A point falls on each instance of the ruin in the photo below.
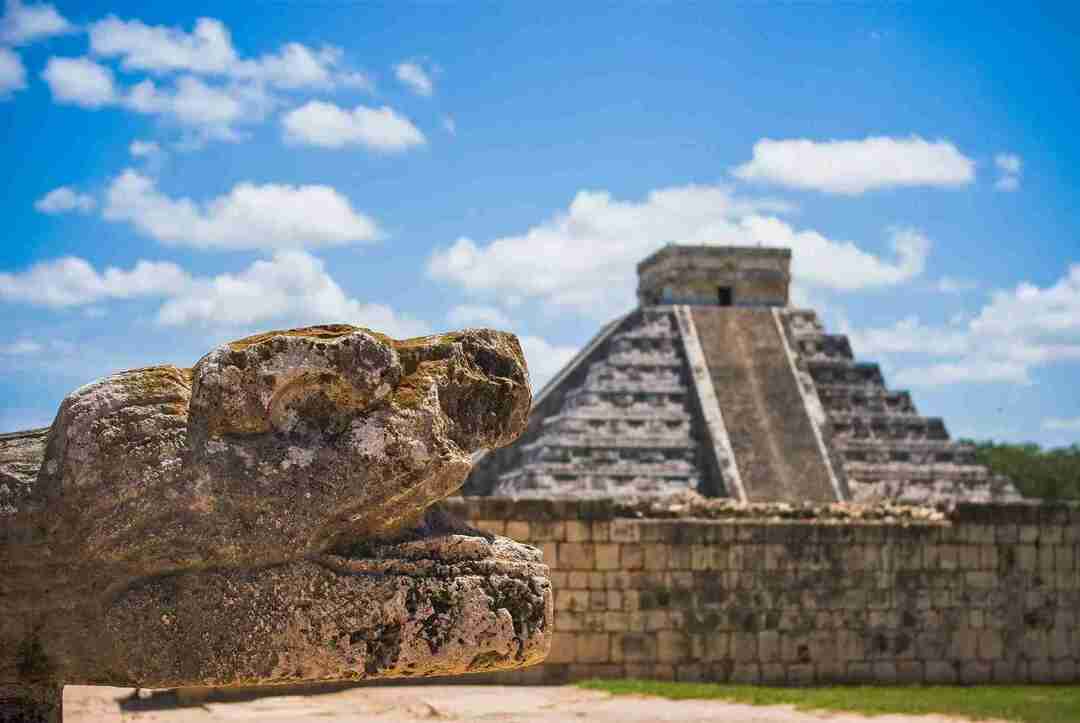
(264, 517)
(715, 384)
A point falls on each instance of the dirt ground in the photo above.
(434, 703)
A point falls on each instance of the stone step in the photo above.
(841, 371)
(679, 468)
(864, 399)
(824, 347)
(771, 433)
(588, 441)
(910, 473)
(803, 321)
(631, 428)
(927, 452)
(887, 427)
(635, 391)
(592, 485)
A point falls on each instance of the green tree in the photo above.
(1037, 472)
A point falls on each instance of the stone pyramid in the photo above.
(715, 384)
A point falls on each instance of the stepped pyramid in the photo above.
(715, 384)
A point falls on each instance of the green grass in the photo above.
(1026, 703)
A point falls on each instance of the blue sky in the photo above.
(179, 175)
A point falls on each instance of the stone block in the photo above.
(673, 646)
(577, 580)
(941, 672)
(518, 530)
(748, 673)
(607, 556)
(563, 647)
(572, 600)
(577, 531)
(614, 599)
(632, 557)
(656, 556)
(577, 556)
(593, 648)
(769, 646)
(623, 530)
(637, 647)
(801, 675)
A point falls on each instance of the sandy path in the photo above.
(460, 702)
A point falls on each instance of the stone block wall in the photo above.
(987, 593)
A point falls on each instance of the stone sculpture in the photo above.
(264, 518)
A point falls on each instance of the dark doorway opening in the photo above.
(723, 294)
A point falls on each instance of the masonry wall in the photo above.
(992, 593)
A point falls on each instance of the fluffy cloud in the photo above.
(950, 285)
(208, 50)
(1062, 425)
(23, 24)
(854, 167)
(271, 216)
(1017, 331)
(544, 359)
(12, 73)
(80, 81)
(414, 76)
(478, 315)
(291, 288)
(21, 347)
(144, 149)
(72, 281)
(64, 199)
(211, 110)
(584, 258)
(1009, 166)
(329, 126)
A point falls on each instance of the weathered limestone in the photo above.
(715, 384)
(263, 517)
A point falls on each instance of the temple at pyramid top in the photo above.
(716, 384)
(715, 275)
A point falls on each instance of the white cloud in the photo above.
(329, 126)
(72, 281)
(1008, 162)
(291, 288)
(21, 347)
(584, 258)
(854, 167)
(1017, 331)
(1062, 425)
(271, 216)
(12, 73)
(412, 75)
(1010, 166)
(908, 336)
(544, 359)
(208, 50)
(295, 66)
(23, 24)
(951, 285)
(1007, 183)
(64, 199)
(211, 110)
(144, 149)
(80, 81)
(478, 315)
